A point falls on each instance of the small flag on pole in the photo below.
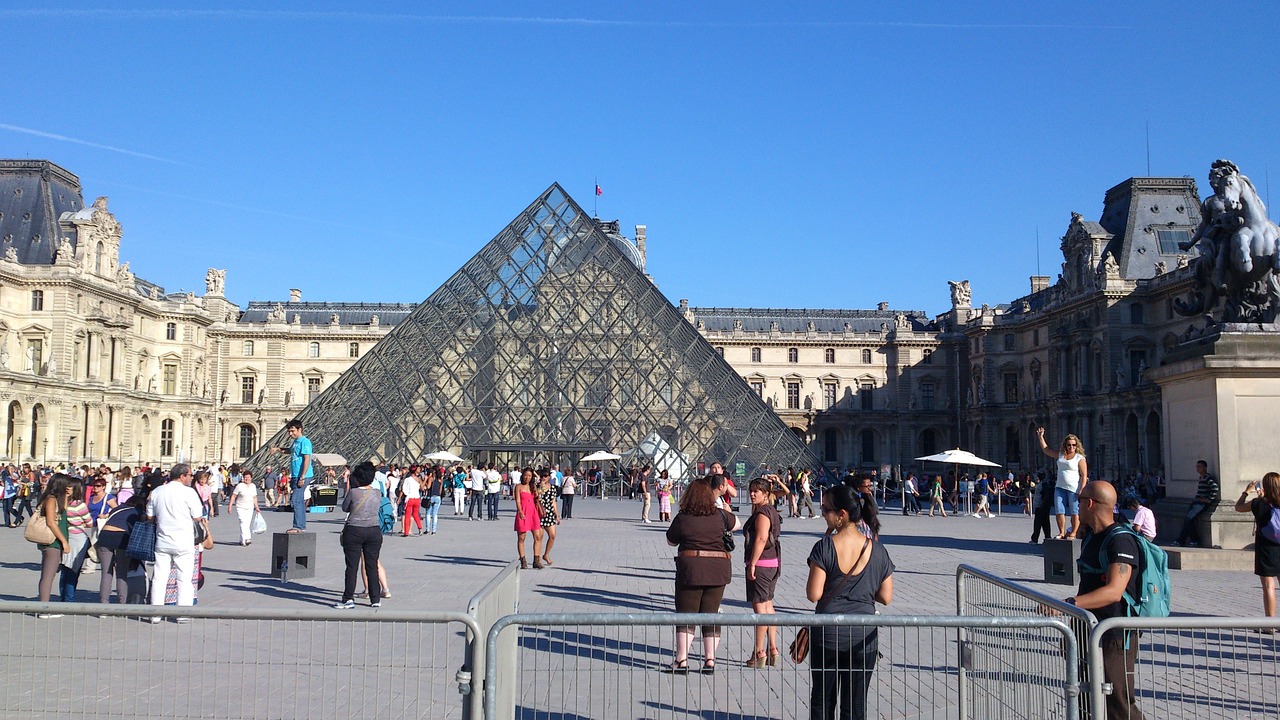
(599, 192)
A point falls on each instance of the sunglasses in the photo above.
(99, 484)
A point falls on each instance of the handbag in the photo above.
(38, 531)
(729, 544)
(142, 541)
(203, 537)
(799, 649)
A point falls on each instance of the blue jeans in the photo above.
(491, 503)
(433, 513)
(298, 502)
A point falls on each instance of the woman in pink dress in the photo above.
(527, 518)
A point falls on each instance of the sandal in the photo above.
(362, 594)
(757, 661)
(709, 667)
(774, 657)
(677, 668)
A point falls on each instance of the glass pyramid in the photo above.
(548, 345)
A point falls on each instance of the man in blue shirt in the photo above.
(300, 473)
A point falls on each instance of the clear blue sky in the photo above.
(781, 154)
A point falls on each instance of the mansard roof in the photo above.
(33, 195)
(321, 313)
(792, 320)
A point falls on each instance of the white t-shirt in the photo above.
(493, 482)
(243, 495)
(411, 488)
(174, 506)
(570, 485)
(1069, 473)
(393, 482)
(478, 479)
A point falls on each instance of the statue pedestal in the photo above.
(1220, 397)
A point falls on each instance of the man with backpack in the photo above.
(1113, 567)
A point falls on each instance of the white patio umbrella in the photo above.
(958, 457)
(444, 455)
(601, 455)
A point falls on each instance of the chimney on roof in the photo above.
(640, 231)
(295, 295)
(1039, 282)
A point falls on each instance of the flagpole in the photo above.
(595, 199)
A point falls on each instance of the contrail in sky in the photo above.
(112, 148)
(179, 14)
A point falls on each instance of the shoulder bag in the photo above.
(38, 531)
(142, 541)
(800, 646)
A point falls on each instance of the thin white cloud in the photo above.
(321, 15)
(100, 146)
(311, 219)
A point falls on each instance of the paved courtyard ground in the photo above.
(604, 561)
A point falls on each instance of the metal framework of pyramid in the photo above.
(549, 344)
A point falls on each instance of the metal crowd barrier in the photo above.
(980, 593)
(498, 598)
(98, 661)
(604, 666)
(1196, 667)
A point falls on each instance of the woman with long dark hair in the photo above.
(849, 573)
(1266, 547)
(528, 519)
(53, 507)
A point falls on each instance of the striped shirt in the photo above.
(78, 518)
(1209, 489)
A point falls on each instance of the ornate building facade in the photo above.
(98, 365)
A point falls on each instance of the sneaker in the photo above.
(345, 605)
(182, 620)
(155, 619)
(374, 605)
(48, 616)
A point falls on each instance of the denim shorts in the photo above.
(1065, 502)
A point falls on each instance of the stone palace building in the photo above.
(99, 365)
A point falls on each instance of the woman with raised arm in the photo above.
(1266, 548)
(1073, 474)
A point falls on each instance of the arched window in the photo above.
(830, 445)
(37, 300)
(171, 331)
(353, 350)
(167, 427)
(868, 446)
(248, 348)
(755, 354)
(866, 357)
(313, 350)
(720, 350)
(1135, 313)
(928, 356)
(793, 355)
(248, 440)
(928, 442)
(829, 355)
(97, 259)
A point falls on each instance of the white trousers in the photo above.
(186, 564)
(459, 500)
(245, 516)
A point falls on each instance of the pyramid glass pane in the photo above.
(549, 344)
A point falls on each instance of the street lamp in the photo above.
(139, 454)
(46, 452)
(90, 452)
(70, 445)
